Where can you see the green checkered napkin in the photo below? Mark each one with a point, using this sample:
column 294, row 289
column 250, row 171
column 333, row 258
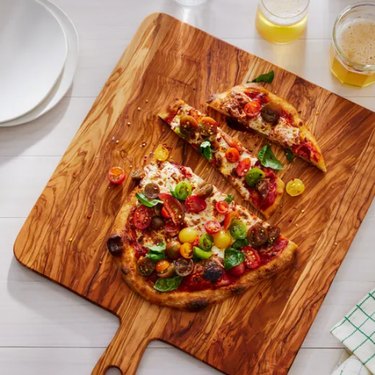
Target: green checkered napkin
column 357, row 331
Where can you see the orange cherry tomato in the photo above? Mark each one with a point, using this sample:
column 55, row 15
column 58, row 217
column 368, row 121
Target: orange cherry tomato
column 116, row 175
column 162, row 266
column 222, row 207
column 186, row 250
column 232, row 155
column 252, row 108
column 228, row 219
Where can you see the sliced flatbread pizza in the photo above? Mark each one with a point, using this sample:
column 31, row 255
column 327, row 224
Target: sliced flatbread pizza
column 257, row 184
column 256, row 108
column 181, row 243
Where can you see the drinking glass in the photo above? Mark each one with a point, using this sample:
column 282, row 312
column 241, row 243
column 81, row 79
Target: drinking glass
column 281, row 21
column 352, row 51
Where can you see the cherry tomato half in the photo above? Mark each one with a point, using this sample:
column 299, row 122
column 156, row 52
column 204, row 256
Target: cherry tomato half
column 238, row 270
column 142, row 217
column 173, row 208
column 232, row 155
column 195, row 204
column 212, row 226
column 242, row 167
column 252, row 108
column 252, row 258
column 228, row 219
column 222, row 207
column 116, row 175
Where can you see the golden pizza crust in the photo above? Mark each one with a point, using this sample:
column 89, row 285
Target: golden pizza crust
column 216, row 102
column 195, row 300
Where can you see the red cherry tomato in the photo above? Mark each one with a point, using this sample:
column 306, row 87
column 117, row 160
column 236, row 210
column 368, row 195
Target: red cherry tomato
column 252, row 258
column 212, row 226
column 116, row 175
column 252, row 108
column 172, row 208
column 242, row 167
column 238, row 270
column 195, row 204
column 228, row 219
column 142, row 217
column 232, row 155
column 222, row 207
column 171, row 229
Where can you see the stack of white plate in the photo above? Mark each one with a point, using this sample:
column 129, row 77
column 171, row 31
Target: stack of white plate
column 39, row 55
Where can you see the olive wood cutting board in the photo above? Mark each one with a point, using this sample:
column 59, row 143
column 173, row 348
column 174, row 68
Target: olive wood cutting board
column 64, row 236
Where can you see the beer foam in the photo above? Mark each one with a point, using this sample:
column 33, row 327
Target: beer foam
column 356, row 39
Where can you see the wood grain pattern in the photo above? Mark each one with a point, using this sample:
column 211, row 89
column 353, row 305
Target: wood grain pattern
column 64, row 235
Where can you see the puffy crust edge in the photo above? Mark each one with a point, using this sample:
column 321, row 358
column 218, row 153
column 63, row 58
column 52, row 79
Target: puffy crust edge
column 191, row 301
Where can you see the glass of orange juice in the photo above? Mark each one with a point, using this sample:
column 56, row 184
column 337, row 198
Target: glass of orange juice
column 281, row 21
column 353, row 45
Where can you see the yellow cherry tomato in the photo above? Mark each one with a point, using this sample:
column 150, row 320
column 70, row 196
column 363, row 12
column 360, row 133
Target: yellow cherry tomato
column 222, row 239
column 295, row 187
column 161, row 153
column 186, row 250
column 188, row 234
column 162, row 266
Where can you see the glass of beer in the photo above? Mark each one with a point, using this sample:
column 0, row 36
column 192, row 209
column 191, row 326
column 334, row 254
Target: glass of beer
column 281, row 21
column 353, row 45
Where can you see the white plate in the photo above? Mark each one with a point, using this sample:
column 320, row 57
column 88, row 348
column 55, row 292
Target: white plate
column 33, row 53
column 66, row 78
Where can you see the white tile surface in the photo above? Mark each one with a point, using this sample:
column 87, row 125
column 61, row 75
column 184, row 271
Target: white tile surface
column 44, row 329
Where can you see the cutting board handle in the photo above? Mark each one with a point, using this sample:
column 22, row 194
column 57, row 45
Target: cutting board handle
column 130, row 341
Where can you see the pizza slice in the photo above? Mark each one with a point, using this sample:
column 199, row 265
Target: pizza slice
column 182, row 243
column 256, row 108
column 257, row 184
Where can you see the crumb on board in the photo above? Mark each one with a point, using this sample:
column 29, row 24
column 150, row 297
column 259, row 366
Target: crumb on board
column 143, row 144
column 117, row 141
column 70, row 239
column 129, row 123
column 302, row 211
column 146, row 100
column 335, row 244
column 139, row 108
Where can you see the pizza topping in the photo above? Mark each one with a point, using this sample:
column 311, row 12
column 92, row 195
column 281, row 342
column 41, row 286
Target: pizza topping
column 182, row 190
column 188, row 234
column 228, row 219
column 222, row 207
column 161, row 153
column 157, row 222
column 164, row 268
column 171, row 229
column 270, row 114
column 240, row 243
column 253, row 176
column 172, row 208
column 252, row 258
column 204, row 191
column 289, row 154
column 186, row 250
column 201, row 254
column 263, row 187
column 242, row 167
column 252, row 108
column 208, row 126
column 146, row 201
column 273, row 234
column 206, row 150
column 145, row 266
column 151, row 190
column 232, row 258
column 213, row 271
column 188, row 124
column 183, row 267
column 222, row 239
column 238, row 229
column 173, row 250
column 168, row 284
column 257, row 235
column 195, row 204
column 229, row 198
column 137, row 175
column 206, row 242
column 115, row 245
column 265, row 77
column 156, row 252
column 232, row 154
column 268, row 159
column 238, row 270
column 295, row 187
column 142, row 217
column 212, row 226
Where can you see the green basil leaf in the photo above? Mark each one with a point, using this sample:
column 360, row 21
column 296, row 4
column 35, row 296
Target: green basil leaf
column 155, row 257
column 206, row 150
column 158, row 248
column 240, row 243
column 266, row 77
column 229, row 198
column 168, row 284
column 147, row 202
column 289, row 154
column 268, row 159
column 233, row 258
